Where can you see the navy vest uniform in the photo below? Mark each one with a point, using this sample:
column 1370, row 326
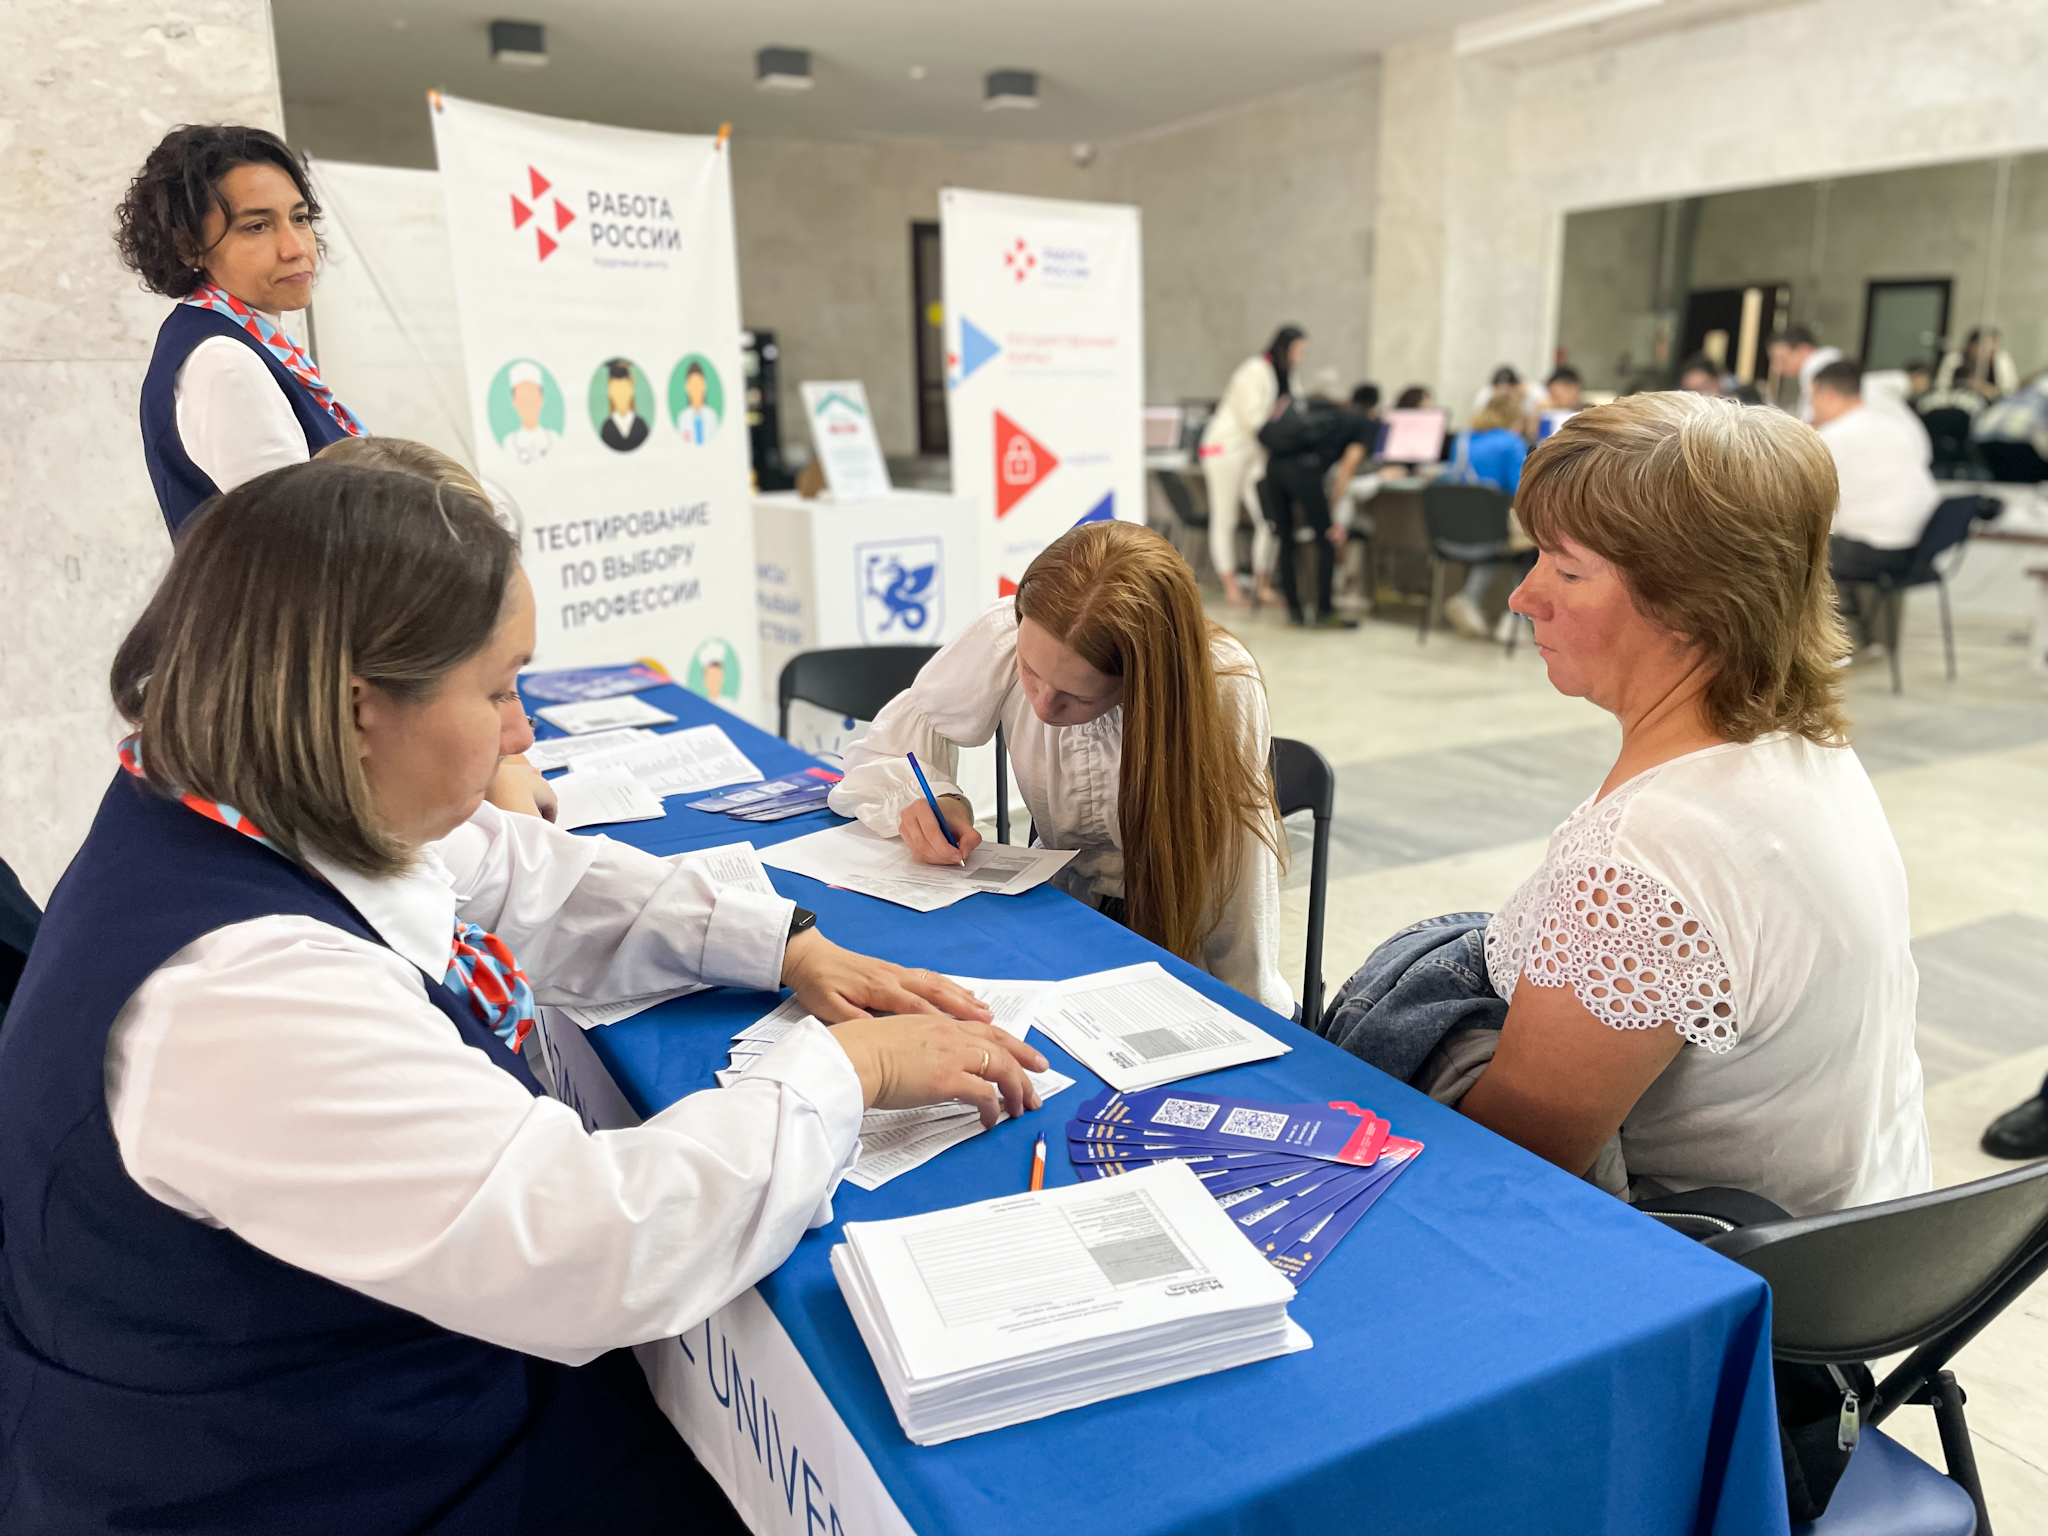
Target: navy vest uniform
column 160, row 1374
column 181, row 485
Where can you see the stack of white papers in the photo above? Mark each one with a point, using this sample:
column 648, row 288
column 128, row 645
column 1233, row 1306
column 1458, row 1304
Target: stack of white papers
column 604, row 715
column 594, row 797
column 562, row 751
column 1027, row 1305
column 1137, row 1027
column 677, row 763
column 894, row 1141
column 734, row 864
column 855, row 859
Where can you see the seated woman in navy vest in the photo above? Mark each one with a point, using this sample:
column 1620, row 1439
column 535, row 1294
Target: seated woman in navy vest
column 290, row 1241
column 221, row 219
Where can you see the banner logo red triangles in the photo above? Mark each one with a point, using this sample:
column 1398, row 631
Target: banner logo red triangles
column 520, row 212
column 1021, row 462
column 544, row 244
column 540, row 182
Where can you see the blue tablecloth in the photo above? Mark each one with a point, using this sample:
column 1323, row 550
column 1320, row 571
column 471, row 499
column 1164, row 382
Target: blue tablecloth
column 1498, row 1346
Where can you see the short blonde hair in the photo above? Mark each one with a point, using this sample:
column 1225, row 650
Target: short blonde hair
column 1501, row 412
column 407, row 457
column 237, row 675
column 1717, row 516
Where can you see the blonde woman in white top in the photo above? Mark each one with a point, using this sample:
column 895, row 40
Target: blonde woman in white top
column 1709, row 981
column 1140, row 737
column 1233, row 461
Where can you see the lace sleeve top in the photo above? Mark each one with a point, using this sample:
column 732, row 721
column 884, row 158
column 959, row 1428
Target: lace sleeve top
column 1749, row 896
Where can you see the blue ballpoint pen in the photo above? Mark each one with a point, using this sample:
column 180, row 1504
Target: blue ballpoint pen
column 932, row 800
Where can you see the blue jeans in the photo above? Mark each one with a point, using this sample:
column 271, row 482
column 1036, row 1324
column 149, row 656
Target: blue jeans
column 1417, row 987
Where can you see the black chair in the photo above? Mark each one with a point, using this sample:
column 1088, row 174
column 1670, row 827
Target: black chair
column 1948, row 529
column 1460, row 515
column 1926, row 1274
column 1190, row 517
column 1303, row 780
column 2013, row 463
column 856, row 681
column 1948, row 428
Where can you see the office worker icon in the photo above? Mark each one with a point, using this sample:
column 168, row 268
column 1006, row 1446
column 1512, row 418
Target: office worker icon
column 696, row 420
column 625, row 428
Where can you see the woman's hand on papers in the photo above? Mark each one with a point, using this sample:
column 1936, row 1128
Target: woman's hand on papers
column 837, row 984
column 921, row 834
column 905, row 1063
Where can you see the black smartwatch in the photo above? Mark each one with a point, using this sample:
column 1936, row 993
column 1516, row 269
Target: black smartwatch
column 801, row 921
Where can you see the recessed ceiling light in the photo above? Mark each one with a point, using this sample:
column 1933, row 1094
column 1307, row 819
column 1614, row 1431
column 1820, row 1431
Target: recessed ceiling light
column 521, row 44
column 782, row 69
column 918, row 71
column 1009, row 88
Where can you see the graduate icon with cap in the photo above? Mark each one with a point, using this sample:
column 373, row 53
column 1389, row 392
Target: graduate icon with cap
column 530, row 441
column 623, row 428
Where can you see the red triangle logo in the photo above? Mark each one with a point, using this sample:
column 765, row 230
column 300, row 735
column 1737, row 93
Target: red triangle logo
column 540, row 182
column 520, row 214
column 1005, row 587
column 1021, row 462
column 563, row 217
column 547, row 243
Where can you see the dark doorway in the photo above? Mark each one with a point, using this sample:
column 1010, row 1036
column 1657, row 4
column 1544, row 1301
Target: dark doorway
column 1729, row 325
column 928, row 329
column 1905, row 320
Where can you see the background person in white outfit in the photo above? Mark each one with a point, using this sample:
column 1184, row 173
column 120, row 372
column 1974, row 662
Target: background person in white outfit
column 1795, row 353
column 1232, row 459
column 1140, row 737
column 1881, row 452
column 1709, row 981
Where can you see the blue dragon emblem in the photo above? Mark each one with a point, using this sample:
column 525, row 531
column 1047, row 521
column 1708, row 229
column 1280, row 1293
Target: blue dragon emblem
column 906, row 591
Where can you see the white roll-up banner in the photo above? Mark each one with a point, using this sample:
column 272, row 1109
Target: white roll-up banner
column 597, row 284
column 1045, row 367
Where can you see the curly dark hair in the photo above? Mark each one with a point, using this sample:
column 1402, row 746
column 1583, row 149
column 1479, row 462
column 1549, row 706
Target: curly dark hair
column 163, row 217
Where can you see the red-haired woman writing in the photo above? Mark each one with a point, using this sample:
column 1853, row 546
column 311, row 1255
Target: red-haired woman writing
column 1139, row 735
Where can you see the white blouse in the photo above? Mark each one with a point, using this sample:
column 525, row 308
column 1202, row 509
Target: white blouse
column 1750, row 896
column 1069, row 777
column 291, row 1083
column 233, row 420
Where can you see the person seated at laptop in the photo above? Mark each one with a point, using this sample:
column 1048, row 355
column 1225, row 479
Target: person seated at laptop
column 1490, row 454
column 1881, row 452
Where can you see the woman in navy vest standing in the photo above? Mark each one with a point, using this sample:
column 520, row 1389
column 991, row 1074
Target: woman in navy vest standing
column 222, row 220
column 289, row 1241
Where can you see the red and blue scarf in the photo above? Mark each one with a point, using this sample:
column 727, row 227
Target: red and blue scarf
column 481, row 968
column 275, row 340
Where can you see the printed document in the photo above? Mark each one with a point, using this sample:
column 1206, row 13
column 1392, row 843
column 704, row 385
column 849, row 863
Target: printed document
column 682, row 762
column 855, row 859
column 1028, row 1304
column 604, row 715
column 1137, row 1027
column 562, row 751
column 593, row 797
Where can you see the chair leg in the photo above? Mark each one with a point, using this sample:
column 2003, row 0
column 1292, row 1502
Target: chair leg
column 1889, row 601
column 1946, row 1398
column 1436, row 585
column 1948, row 633
column 1318, row 904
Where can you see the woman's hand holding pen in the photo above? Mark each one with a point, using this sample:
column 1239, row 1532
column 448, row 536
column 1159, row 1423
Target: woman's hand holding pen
column 927, row 844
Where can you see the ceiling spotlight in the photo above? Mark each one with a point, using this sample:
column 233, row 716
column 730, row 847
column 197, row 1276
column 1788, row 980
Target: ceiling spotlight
column 918, row 71
column 521, row 44
column 782, row 69
column 1010, row 88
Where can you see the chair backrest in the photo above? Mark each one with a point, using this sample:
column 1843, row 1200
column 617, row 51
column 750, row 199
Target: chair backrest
column 2012, row 463
column 1303, row 779
column 1465, row 514
column 1948, row 427
column 1876, row 1279
column 1181, row 499
column 854, row 680
column 1948, row 527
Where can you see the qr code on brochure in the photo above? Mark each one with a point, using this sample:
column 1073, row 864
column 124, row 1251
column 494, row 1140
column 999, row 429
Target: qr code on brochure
column 1186, row 1113
column 1264, row 1124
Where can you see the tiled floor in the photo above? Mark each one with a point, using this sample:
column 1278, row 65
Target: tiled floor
column 1455, row 761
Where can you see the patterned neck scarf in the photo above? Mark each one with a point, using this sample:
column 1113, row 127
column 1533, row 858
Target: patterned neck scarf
column 275, row 340
column 481, row 968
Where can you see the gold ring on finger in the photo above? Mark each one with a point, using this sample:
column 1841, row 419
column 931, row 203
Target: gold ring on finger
column 978, row 1071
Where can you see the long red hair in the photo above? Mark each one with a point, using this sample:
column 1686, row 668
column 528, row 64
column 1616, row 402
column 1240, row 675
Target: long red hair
column 1123, row 600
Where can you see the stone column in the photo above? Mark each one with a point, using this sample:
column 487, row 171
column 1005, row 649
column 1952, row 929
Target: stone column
column 86, row 89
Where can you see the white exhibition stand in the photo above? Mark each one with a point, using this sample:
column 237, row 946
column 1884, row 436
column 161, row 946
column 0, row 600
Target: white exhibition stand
column 902, row 569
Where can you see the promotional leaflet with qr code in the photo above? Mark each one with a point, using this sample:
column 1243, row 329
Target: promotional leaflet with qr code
column 1338, row 1132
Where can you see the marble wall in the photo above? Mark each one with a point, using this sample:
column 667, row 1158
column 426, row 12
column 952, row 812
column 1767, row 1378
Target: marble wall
column 1828, row 88
column 85, row 91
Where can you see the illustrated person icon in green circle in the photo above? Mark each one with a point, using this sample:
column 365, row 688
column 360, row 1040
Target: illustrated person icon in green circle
column 530, row 441
column 625, row 428
column 696, row 400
